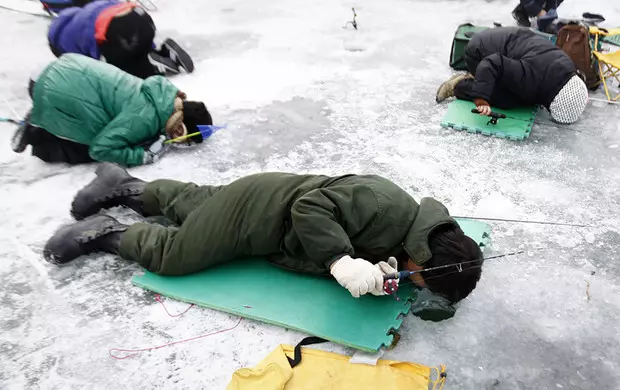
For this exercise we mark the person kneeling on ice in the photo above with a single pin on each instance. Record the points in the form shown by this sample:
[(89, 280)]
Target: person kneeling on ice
[(85, 110), (511, 67), (349, 226), (537, 12), (121, 34)]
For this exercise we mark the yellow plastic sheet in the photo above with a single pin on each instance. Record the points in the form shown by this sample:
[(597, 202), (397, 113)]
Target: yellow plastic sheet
[(320, 370)]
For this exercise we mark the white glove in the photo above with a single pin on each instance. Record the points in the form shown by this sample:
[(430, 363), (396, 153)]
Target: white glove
[(155, 151), (358, 276), (387, 268)]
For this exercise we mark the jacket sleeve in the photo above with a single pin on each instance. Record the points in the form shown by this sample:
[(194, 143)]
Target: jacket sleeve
[(120, 140), (532, 7), (325, 218), (490, 70)]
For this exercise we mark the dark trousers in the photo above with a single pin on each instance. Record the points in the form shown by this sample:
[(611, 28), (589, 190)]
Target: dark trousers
[(526, 6), (52, 149), (175, 250), (501, 97)]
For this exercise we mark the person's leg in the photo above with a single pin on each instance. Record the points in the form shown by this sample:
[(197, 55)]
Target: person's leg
[(447, 89), (464, 89), (48, 147), (501, 98), (113, 186), (551, 4), (177, 54), (206, 237), (520, 16), (57, 150), (175, 200), (141, 67)]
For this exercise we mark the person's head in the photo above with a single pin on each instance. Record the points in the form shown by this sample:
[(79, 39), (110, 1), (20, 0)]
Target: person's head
[(450, 246), (186, 118), (570, 102), (194, 114)]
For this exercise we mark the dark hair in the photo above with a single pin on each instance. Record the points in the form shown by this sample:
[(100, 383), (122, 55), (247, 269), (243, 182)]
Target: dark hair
[(449, 245), (194, 114)]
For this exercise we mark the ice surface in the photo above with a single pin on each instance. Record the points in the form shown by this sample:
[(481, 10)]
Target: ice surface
[(302, 94)]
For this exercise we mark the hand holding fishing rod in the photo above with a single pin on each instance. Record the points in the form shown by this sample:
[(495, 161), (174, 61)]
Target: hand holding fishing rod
[(493, 115), (405, 274)]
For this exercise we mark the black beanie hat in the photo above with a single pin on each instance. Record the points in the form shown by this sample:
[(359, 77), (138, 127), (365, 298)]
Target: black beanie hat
[(194, 114)]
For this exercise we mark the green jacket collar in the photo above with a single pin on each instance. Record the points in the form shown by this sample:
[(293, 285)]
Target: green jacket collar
[(431, 214)]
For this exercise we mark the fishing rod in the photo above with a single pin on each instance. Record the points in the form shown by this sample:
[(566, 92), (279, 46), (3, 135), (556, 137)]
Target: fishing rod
[(205, 130), (525, 221), (404, 274), (10, 120)]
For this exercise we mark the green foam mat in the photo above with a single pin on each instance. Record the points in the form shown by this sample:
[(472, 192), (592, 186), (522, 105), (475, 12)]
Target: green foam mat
[(319, 306), (517, 127), (613, 39)]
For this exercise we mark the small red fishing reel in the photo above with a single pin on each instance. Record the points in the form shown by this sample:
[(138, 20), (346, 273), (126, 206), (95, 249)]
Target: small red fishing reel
[(390, 287)]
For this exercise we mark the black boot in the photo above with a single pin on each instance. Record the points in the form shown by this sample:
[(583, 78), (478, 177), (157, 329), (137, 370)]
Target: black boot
[(99, 233), (521, 17), (21, 137), (178, 55), (163, 64), (112, 187)]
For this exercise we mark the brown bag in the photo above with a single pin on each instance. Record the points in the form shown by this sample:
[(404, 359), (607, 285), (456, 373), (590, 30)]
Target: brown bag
[(574, 40)]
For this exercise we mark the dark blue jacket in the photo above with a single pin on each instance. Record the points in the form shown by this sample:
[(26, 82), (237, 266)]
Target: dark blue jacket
[(73, 31), (520, 61)]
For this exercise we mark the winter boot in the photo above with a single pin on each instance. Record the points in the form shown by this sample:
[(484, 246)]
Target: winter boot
[(21, 136), (163, 64), (112, 187), (99, 233), (520, 16), (178, 55), (446, 90)]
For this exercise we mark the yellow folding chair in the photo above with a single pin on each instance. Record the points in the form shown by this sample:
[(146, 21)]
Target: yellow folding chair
[(608, 63), (609, 68)]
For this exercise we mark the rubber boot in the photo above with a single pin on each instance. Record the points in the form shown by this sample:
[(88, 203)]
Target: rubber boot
[(100, 233), (112, 187)]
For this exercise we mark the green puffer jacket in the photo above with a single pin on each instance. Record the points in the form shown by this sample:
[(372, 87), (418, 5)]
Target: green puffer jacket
[(96, 104)]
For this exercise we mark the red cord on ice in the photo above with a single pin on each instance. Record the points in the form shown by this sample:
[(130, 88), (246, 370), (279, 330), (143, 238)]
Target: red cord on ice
[(134, 352), (158, 299)]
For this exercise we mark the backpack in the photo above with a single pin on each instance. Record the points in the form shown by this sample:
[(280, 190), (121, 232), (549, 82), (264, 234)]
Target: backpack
[(574, 40)]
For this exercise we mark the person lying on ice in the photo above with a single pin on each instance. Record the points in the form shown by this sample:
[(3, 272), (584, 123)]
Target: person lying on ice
[(119, 33), (85, 110), (514, 67), (348, 226)]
